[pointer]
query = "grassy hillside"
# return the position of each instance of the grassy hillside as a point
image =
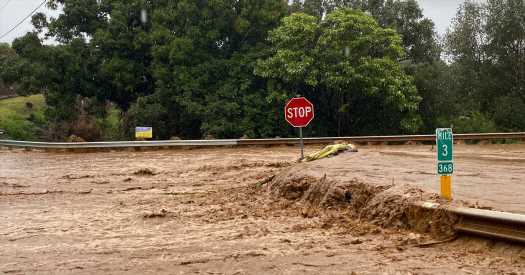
(22, 117)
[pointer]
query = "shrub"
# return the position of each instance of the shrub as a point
(18, 128)
(476, 122)
(510, 113)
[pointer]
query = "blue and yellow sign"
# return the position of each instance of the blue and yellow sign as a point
(143, 132)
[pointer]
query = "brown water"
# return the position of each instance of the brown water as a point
(197, 211)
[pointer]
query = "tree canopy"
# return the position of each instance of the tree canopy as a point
(486, 45)
(348, 65)
(225, 68)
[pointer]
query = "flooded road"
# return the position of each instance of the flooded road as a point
(201, 211)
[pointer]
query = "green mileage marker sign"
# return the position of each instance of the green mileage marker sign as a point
(445, 143)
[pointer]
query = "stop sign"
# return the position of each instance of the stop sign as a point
(299, 112)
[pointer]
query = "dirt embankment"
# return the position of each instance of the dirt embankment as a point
(389, 206)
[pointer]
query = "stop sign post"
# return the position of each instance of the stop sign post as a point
(299, 112)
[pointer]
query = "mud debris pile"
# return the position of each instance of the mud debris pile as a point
(388, 206)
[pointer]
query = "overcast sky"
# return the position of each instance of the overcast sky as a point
(12, 11)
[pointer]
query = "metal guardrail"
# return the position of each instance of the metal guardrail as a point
(247, 142)
(491, 224)
(485, 223)
(365, 139)
(116, 144)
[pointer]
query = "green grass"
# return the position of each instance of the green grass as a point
(19, 121)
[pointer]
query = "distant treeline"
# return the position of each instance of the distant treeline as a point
(225, 68)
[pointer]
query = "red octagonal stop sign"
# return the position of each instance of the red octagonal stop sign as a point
(299, 112)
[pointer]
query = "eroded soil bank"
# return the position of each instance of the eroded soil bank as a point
(386, 205)
(221, 211)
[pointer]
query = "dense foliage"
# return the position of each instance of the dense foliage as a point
(487, 49)
(348, 65)
(225, 68)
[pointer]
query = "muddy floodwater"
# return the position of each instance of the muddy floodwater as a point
(206, 211)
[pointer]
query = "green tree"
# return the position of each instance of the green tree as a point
(486, 46)
(61, 73)
(505, 51)
(204, 62)
(419, 40)
(187, 67)
(464, 44)
(9, 61)
(104, 55)
(438, 101)
(348, 65)
(119, 48)
(405, 16)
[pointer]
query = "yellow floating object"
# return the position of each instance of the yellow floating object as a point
(330, 150)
